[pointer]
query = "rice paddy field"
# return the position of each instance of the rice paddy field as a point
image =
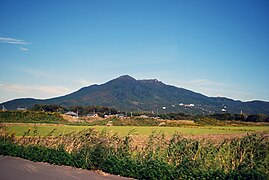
(55, 130)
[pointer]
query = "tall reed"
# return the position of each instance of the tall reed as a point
(159, 158)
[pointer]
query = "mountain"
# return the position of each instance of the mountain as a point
(128, 94)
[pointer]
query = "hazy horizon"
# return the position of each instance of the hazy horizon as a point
(118, 77)
(53, 48)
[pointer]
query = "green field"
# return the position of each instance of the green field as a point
(139, 130)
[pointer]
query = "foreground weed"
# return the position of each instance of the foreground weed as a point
(159, 158)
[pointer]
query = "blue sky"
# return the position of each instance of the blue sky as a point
(215, 47)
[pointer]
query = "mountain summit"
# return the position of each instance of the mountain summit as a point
(126, 77)
(128, 94)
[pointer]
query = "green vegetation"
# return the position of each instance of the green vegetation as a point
(162, 154)
(101, 111)
(122, 126)
(47, 115)
(240, 117)
(82, 110)
(30, 117)
(159, 158)
(132, 121)
(140, 130)
(218, 116)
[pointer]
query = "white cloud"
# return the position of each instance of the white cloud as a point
(53, 90)
(38, 91)
(24, 49)
(8, 40)
(84, 82)
(206, 82)
(13, 87)
(216, 89)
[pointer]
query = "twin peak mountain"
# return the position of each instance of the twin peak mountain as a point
(128, 94)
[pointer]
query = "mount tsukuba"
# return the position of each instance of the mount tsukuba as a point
(128, 94)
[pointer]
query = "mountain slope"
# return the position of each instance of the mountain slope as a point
(128, 94)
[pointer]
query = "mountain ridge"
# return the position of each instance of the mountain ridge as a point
(128, 94)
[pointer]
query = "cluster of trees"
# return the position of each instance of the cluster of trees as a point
(218, 116)
(48, 108)
(100, 110)
(82, 110)
(257, 118)
(227, 116)
(241, 117)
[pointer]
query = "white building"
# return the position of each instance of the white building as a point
(71, 113)
(92, 115)
(189, 105)
(22, 109)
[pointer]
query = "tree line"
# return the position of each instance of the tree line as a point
(218, 116)
(82, 110)
(103, 110)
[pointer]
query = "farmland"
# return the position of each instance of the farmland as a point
(44, 130)
(141, 148)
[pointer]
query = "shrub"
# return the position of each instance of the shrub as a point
(29, 117)
(208, 121)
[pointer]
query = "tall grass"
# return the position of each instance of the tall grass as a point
(158, 158)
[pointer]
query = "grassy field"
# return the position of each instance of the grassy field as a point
(44, 130)
(156, 156)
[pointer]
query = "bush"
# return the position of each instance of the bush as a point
(208, 121)
(30, 117)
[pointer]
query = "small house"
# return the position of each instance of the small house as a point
(21, 109)
(143, 116)
(92, 115)
(120, 115)
(71, 113)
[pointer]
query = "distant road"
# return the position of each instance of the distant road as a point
(12, 168)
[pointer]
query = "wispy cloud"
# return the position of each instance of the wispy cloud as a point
(8, 40)
(206, 82)
(24, 49)
(46, 90)
(53, 90)
(216, 89)
(13, 87)
(84, 82)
